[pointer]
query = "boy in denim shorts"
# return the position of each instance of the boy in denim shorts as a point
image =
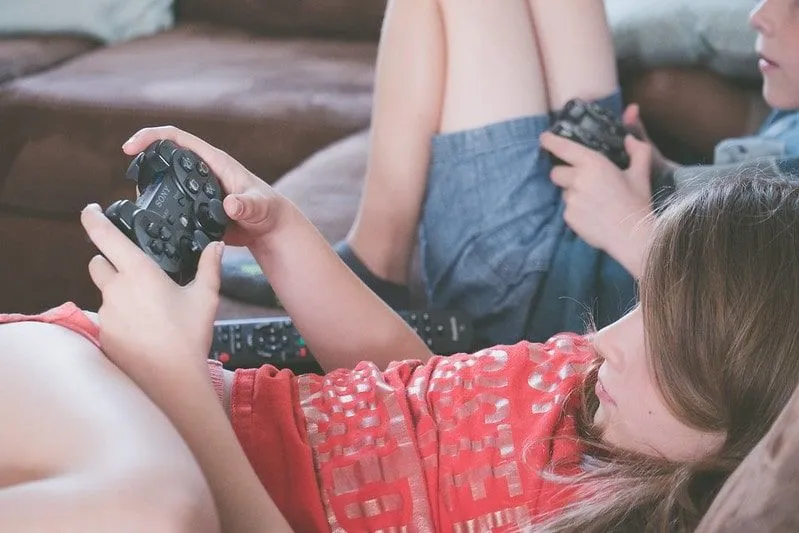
(459, 159)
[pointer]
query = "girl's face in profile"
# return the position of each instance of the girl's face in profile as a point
(777, 26)
(633, 414)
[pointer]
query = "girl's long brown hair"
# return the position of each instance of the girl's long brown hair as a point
(720, 300)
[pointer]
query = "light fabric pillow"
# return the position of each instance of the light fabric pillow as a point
(109, 21)
(709, 33)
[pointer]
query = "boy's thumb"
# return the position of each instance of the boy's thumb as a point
(632, 121)
(640, 153)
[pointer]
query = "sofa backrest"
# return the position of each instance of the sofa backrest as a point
(348, 19)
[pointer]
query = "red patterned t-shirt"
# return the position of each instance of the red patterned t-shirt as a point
(455, 444)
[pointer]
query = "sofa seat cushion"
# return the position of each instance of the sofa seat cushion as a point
(24, 55)
(270, 103)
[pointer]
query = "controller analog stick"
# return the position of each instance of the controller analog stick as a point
(201, 240)
(212, 217)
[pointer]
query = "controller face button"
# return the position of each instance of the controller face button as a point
(202, 168)
(165, 233)
(157, 247)
(170, 250)
(186, 163)
(184, 220)
(193, 185)
(209, 190)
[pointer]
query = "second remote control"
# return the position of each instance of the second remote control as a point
(251, 343)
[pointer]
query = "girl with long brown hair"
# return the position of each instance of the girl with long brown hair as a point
(632, 428)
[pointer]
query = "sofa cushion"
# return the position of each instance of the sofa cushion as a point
(24, 55)
(269, 102)
(354, 19)
(106, 20)
(713, 34)
(761, 494)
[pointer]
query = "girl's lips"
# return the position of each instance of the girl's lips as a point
(602, 393)
(766, 64)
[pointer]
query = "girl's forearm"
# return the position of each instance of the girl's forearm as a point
(191, 403)
(341, 319)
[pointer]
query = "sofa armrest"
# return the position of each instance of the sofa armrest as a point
(23, 55)
(346, 19)
(761, 494)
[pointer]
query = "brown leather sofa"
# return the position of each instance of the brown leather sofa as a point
(271, 82)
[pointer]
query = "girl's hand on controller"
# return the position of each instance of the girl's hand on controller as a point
(150, 327)
(607, 207)
(252, 204)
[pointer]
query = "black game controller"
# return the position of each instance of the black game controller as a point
(594, 127)
(179, 210)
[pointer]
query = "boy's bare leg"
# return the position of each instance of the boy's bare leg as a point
(577, 49)
(83, 449)
(405, 115)
(444, 65)
(493, 70)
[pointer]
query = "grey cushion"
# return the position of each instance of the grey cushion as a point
(107, 20)
(709, 33)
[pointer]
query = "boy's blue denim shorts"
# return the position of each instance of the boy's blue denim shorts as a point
(494, 243)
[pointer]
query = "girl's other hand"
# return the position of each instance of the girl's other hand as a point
(150, 327)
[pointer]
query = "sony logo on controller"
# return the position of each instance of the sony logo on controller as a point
(162, 194)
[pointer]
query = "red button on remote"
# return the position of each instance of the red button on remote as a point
(224, 357)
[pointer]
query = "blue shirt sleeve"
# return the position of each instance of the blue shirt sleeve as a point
(777, 138)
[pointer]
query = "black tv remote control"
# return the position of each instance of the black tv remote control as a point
(250, 343)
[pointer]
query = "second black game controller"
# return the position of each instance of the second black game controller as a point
(594, 127)
(179, 209)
